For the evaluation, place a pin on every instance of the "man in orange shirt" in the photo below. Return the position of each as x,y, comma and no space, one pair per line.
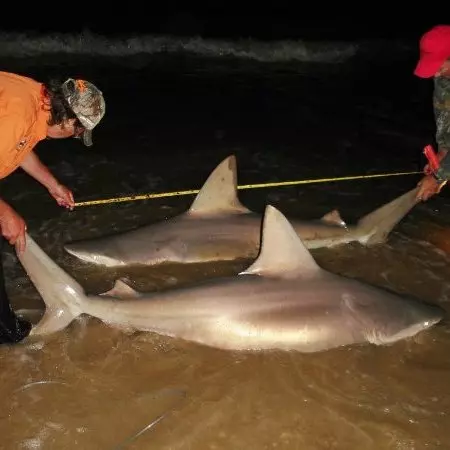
30,112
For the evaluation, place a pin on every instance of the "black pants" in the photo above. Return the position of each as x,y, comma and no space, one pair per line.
12,328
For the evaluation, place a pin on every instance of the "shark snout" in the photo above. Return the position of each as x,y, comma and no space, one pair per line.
91,255
435,315
424,319
75,250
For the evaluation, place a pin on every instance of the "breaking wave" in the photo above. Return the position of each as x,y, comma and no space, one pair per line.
33,44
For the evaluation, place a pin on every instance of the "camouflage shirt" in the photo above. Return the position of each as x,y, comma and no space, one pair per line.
441,105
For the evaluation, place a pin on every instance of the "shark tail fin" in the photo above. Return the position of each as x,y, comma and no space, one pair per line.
377,225
62,295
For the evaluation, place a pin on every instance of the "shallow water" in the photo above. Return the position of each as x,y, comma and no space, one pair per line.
169,124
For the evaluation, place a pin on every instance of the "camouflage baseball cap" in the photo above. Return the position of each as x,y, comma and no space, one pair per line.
88,104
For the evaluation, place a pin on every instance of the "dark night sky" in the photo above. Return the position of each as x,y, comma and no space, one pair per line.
224,21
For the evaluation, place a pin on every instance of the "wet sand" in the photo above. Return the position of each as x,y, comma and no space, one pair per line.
169,122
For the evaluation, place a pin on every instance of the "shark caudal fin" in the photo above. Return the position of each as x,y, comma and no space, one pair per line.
62,295
376,226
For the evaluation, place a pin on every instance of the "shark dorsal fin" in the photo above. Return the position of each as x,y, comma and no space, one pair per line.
121,290
219,193
334,218
282,253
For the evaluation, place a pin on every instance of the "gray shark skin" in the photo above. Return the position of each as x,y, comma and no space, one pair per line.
217,227
282,301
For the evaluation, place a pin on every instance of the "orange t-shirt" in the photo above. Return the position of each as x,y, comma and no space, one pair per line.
23,119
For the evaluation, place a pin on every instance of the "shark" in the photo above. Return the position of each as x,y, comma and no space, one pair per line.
218,227
282,301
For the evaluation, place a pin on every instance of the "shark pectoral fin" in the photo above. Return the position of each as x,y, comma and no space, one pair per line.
219,192
282,253
334,218
121,290
377,225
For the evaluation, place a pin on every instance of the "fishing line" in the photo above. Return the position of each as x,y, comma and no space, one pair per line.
245,186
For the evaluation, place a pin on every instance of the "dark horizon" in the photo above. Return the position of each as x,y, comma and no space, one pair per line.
276,24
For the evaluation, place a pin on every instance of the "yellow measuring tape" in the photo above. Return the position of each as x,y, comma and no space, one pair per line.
245,186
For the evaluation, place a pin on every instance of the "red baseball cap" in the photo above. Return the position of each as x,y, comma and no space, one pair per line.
434,50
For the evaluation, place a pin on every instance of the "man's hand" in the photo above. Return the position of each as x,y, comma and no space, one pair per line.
13,228
62,195
428,186
441,154
34,167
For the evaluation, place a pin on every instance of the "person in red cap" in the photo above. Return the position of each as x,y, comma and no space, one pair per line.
434,62
30,112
